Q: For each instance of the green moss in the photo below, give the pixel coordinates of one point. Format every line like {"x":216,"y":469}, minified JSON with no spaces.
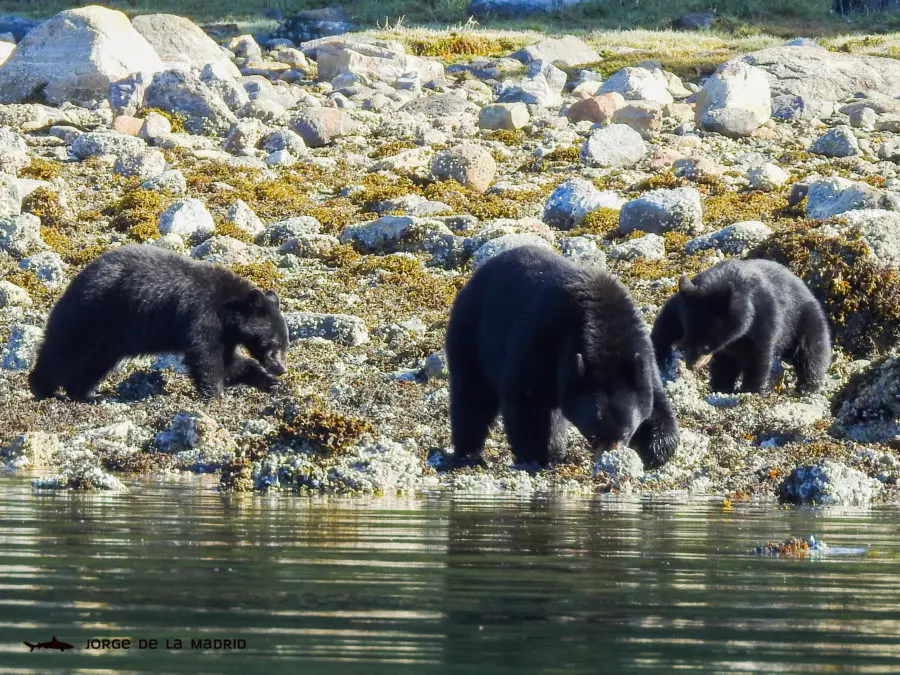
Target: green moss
{"x":603,"y":222}
{"x":391,"y":149}
{"x":137,"y":213}
{"x":460,"y":44}
{"x":379,"y":187}
{"x":557,"y":158}
{"x":226,"y":228}
{"x":334,"y":214}
{"x":264,"y":274}
{"x":40,"y":294}
{"x":730,"y":207}
{"x":41,"y":169}
{"x":237,"y":476}
{"x":325,"y":430}
{"x":75,"y":253}
{"x":861,"y":300}
{"x":46,"y":205}
{"x":484,"y":206}
{"x":511,"y":137}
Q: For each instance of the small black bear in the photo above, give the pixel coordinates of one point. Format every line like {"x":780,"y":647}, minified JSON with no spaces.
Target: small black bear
{"x":540,"y":339}
{"x":743,"y":314}
{"x":141,"y":299}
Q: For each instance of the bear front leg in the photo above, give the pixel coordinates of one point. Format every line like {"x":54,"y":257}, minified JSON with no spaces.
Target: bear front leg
{"x":242,"y":370}
{"x":667,"y":330}
{"x":473,"y":407}
{"x":529,"y":426}
{"x":812,"y":357}
{"x":207,"y":371}
{"x":656,"y":439}
{"x":757,"y":371}
{"x":724,"y":372}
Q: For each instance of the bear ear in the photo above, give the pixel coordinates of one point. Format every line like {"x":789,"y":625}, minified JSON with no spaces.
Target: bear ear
{"x":685,"y":285}
{"x":256,"y":299}
{"x":272,"y":297}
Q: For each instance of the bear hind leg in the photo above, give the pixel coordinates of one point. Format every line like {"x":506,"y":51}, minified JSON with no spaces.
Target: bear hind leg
{"x":812,"y":358}
{"x":724,"y":371}
{"x":529,"y":428}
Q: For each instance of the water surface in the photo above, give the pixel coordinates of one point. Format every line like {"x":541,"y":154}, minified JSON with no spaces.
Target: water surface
{"x":439,"y":584}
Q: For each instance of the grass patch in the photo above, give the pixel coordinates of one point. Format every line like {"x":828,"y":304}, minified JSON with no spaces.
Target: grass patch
{"x":137,"y":213}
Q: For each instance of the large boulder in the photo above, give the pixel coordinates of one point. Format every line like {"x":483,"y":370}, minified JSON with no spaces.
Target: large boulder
{"x":386,"y":61}
{"x":542,"y":87}
{"x":659,"y":211}
{"x":573,"y":199}
{"x":615,"y":146}
{"x":318,"y":126}
{"x":178,"y":40}
{"x":75,"y":56}
{"x":471,"y":165}
{"x":180,"y":92}
{"x":810,"y":75}
{"x":830,"y":196}
{"x":734,"y":101}
{"x":639,"y":84}
{"x":567,"y":51}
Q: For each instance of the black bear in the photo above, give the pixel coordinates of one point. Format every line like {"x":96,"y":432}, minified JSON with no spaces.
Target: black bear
{"x":540,"y":339}
{"x":138,"y":300}
{"x":744,"y":314}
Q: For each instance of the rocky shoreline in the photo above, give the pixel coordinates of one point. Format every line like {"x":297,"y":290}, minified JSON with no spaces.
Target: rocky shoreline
{"x":365,"y":183}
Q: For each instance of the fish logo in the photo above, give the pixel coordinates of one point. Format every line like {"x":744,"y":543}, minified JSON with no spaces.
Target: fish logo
{"x":53,"y":644}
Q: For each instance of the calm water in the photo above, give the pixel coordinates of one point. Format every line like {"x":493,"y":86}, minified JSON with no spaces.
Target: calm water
{"x":439,"y":585}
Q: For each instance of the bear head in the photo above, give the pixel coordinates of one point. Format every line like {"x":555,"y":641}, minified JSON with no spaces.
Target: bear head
{"x":259,"y":326}
{"x":607,"y":399}
{"x":712,"y":316}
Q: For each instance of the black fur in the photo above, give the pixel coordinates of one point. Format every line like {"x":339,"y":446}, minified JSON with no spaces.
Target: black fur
{"x":540,"y":339}
{"x":746,"y":313}
{"x":139,"y":300}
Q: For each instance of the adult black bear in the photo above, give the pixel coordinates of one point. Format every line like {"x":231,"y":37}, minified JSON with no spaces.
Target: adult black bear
{"x":744,"y":314}
{"x":144,"y":300}
{"x":541,"y":339}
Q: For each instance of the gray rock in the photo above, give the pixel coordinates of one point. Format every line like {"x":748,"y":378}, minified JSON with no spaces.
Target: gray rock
{"x":413,"y":205}
{"x":614,"y":146}
{"x":623,"y":463}
{"x":242,"y":217}
{"x":389,"y":234}
{"x":284,"y":139}
{"x":223,"y":250}
{"x":734,"y":239}
{"x":889,"y":150}
{"x":503,"y":243}
{"x":796,"y":108}
{"x":98,"y":144}
{"x":471,"y":165}
{"x":734,"y":101}
{"x":244,"y":135}
{"x":582,"y":249}
{"x":645,"y":117}
{"x":220,"y":80}
{"x":440,"y":105}
{"x":21,"y":235}
{"x":863,"y":118}
{"x":280,"y":232}
{"x":141,"y":165}
{"x":187,"y":218}
{"x":310,"y":245}
{"x":47,"y":266}
{"x":280,"y":158}
{"x":827,"y":483}
{"x":13,"y":152}
{"x":318,"y":126}
{"x":816,"y":74}
{"x":75,"y":57}
{"x":573,"y":199}
{"x":127,"y":95}
{"x":21,"y":349}
{"x":154,"y":126}
{"x":436,"y":366}
{"x":639,"y":84}
{"x":203,"y":110}
{"x":13,"y":296}
{"x":767,"y":177}
{"x":178,"y":41}
{"x":245,"y":46}
{"x":659,"y":211}
{"x":837,"y":142}
{"x":503,"y":116}
{"x":543,"y":86}
{"x":384,"y":61}
{"x":872,"y":414}
{"x":171,"y":182}
{"x":880,"y":230}
{"x":264,"y":109}
{"x":343,"y":329}
{"x":648,"y":247}
{"x":830,"y":196}
{"x":566,"y":51}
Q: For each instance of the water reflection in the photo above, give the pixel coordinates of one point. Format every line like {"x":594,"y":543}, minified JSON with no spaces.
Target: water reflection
{"x":440,"y":584}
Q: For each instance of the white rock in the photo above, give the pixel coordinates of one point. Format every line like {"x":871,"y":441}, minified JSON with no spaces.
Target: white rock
{"x":187,"y":218}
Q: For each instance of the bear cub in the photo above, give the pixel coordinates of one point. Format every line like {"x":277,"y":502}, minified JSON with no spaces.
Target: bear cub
{"x":744,"y":314}
{"x":542,"y":340}
{"x":139,"y":300}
